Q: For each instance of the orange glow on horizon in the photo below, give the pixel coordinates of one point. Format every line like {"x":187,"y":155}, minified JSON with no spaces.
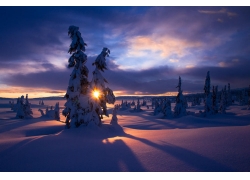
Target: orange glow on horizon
{"x":15,"y":92}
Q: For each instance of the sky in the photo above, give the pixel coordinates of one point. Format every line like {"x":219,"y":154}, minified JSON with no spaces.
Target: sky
{"x":151,"y":46}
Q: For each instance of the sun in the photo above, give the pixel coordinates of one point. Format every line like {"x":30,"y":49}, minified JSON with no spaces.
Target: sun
{"x":96,"y":94}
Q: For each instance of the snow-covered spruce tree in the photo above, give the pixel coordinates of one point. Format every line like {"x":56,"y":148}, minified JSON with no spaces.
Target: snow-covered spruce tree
{"x":152,"y":102}
{"x":157,"y":108}
{"x":133,"y":103}
{"x":20,"y":108}
{"x":114,"y":119}
{"x":229,"y":95}
{"x":97,"y":86}
{"x":215,"y":99}
{"x":57,"y":111}
{"x":12,"y":106}
{"x":180,"y":106}
{"x":243,"y":97}
{"x":27,"y":110}
{"x":23,"y":108}
{"x":167,"y":109}
{"x":223,"y":102}
{"x":138,"y":106}
{"x":208,"y":96}
{"x":78,"y":82}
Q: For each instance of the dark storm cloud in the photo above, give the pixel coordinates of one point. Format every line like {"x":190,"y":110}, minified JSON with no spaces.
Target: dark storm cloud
{"x":28,"y":31}
{"x":57,"y":80}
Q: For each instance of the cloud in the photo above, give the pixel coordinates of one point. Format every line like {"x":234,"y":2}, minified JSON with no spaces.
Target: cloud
{"x":221,"y":11}
{"x":150,"y":46}
{"x":144,"y":52}
{"x":166,"y":46}
{"x":157,"y":80}
{"x":220,"y":20}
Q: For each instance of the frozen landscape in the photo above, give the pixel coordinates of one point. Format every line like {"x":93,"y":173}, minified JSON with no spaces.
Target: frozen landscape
{"x":125,"y":89}
{"x":141,"y":142}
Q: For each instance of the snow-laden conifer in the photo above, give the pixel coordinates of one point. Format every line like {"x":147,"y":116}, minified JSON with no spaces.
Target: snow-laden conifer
{"x":180,"y":106}
{"x":20,"y":108}
{"x":223,"y":101}
{"x":57,"y":111}
{"x":114,"y":119}
{"x":133,"y":103}
{"x":98,"y":87}
{"x":27,"y":109}
{"x":23,"y":108}
{"x":208,"y":96}
{"x":167,"y":109}
{"x":229,"y":95}
{"x":157,"y":107}
{"x":215,"y":99}
{"x":51,"y":113}
{"x":78,"y":82}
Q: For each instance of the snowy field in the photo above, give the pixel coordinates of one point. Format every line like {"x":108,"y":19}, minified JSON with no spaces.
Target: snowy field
{"x":141,"y":143}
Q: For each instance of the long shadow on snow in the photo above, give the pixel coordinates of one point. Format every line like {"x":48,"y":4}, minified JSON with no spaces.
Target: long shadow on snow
{"x":75,"y":150}
{"x":199,"y":162}
{"x":190,"y":122}
{"x":14,"y":123}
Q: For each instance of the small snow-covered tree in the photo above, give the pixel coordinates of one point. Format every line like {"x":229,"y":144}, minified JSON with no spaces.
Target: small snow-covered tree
{"x":12,"y":105}
{"x":243,"y":97}
{"x":41,"y":111}
{"x":133,"y":103}
{"x":215,"y":99}
{"x":52,"y":113}
{"x":167,"y":109}
{"x":180,"y":106}
{"x":153,"y":102}
{"x":27,"y":109}
{"x":157,"y":108}
{"x":138,"y":106}
{"x":20,"y":108}
{"x":144,"y":102}
{"x":78,"y":82}
{"x":229,"y":95}
{"x":57,"y":111}
{"x":208,"y":96}
{"x":23,"y":108}
{"x":223,"y":101}
{"x":114,"y":119}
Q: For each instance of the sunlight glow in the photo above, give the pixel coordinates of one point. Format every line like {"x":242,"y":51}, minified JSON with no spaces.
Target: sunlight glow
{"x":96,"y":94}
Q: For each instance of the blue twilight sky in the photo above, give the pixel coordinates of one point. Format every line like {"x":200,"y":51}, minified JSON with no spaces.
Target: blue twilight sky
{"x":150,"y":47}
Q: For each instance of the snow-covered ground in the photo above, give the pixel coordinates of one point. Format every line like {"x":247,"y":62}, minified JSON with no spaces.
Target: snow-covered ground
{"x":142,"y":142}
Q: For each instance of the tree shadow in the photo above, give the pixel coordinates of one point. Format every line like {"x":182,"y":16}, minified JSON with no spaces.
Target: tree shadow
{"x":73,"y":151}
{"x":11,"y":124}
{"x":199,"y":162}
{"x":148,"y":122}
{"x":102,"y":150}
